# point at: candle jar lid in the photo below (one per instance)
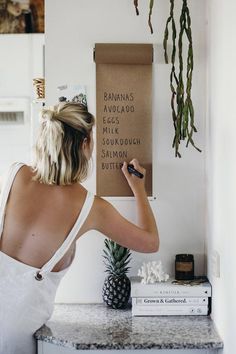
(184, 257)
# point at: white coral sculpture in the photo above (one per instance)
(152, 272)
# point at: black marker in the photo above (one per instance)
(132, 170)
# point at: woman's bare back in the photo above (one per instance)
(38, 219)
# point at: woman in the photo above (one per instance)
(43, 211)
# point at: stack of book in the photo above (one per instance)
(171, 297)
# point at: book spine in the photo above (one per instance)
(139, 310)
(183, 291)
(171, 301)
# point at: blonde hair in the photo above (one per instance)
(59, 154)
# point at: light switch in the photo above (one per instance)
(215, 263)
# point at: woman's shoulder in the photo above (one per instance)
(11, 168)
(7, 173)
(24, 172)
(15, 167)
(101, 206)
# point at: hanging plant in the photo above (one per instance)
(181, 100)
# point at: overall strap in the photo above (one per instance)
(71, 237)
(6, 191)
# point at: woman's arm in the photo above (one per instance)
(106, 219)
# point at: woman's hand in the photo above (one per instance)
(136, 184)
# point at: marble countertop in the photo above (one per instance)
(95, 326)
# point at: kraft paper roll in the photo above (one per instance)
(110, 53)
(124, 114)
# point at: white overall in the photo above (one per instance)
(27, 293)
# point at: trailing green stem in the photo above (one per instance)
(173, 78)
(181, 101)
(151, 3)
(136, 7)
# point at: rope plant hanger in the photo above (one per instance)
(181, 100)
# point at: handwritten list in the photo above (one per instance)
(124, 124)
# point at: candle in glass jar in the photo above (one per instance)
(184, 267)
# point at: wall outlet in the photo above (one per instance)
(215, 264)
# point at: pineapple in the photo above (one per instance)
(116, 288)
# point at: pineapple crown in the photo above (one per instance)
(116, 258)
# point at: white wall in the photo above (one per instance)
(21, 60)
(72, 28)
(221, 167)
